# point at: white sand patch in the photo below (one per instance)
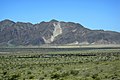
(46, 40)
(74, 30)
(74, 43)
(82, 43)
(57, 30)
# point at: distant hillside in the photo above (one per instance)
(53, 32)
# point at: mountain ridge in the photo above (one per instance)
(53, 32)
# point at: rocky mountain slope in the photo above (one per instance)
(53, 32)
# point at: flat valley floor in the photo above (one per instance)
(101, 63)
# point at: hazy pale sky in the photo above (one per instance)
(93, 14)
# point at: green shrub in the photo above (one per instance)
(55, 76)
(29, 72)
(94, 76)
(14, 77)
(5, 72)
(31, 77)
(74, 72)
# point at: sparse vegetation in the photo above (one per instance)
(60, 64)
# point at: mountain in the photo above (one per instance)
(53, 32)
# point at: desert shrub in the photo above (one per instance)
(29, 72)
(96, 77)
(55, 76)
(31, 77)
(5, 72)
(41, 78)
(58, 68)
(65, 73)
(74, 72)
(14, 77)
(87, 74)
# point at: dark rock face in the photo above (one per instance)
(53, 32)
(19, 34)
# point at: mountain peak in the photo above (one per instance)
(7, 21)
(54, 20)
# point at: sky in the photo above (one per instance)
(92, 14)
